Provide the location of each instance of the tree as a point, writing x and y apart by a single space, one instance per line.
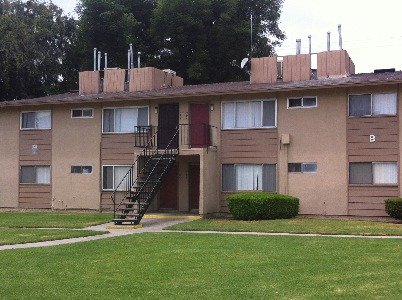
110 26
35 45
205 40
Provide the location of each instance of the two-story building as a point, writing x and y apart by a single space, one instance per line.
325 135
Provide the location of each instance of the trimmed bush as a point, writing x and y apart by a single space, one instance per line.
262 206
393 207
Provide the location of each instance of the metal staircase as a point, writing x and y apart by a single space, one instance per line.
135 192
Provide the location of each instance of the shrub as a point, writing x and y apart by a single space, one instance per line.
393 207
262 206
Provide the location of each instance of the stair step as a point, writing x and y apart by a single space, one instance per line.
126 216
121 221
133 203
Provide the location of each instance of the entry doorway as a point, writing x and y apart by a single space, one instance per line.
168 121
199 125
168 194
194 186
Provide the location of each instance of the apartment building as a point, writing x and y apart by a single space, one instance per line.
325 135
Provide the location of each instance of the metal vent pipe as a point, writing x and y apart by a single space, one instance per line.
340 36
95 52
328 41
99 60
298 46
309 44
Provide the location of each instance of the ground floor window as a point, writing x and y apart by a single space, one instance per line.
113 175
249 177
35 174
373 173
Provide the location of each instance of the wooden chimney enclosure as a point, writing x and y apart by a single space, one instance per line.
297 67
149 78
334 63
114 80
264 70
89 82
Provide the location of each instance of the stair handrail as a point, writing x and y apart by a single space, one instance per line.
129 174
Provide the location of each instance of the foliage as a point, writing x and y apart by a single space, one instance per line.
110 26
393 207
10 236
50 219
206 266
205 40
262 206
296 225
36 49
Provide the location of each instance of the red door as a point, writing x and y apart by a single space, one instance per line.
199 126
168 191
194 186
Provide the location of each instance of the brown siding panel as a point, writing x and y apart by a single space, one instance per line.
42 138
249 146
35 196
369 200
117 149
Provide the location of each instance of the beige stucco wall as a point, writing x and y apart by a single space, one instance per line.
76 142
316 135
9 157
209 182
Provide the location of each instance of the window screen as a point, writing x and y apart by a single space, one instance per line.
108 178
309 101
295 102
35 174
228 178
28 175
360 173
124 120
269 114
269 178
360 105
384 104
385 173
36 120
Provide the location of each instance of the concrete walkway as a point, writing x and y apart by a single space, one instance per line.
156 224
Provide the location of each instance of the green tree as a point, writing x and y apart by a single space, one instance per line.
205 40
110 26
35 47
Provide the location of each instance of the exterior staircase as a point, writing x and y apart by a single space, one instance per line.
135 192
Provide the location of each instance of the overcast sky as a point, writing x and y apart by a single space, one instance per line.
371 29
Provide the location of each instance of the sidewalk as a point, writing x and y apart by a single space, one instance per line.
155 223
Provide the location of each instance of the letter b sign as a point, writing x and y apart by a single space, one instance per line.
372 138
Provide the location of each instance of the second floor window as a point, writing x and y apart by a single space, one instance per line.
124 120
36 120
372 105
248 114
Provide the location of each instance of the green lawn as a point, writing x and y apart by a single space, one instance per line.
205 266
9 236
52 219
297 225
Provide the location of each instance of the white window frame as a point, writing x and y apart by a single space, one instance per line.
371 104
262 112
82 166
302 102
36 111
301 168
237 164
36 175
124 107
111 190
82 117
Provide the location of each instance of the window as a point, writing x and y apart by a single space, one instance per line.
113 175
124 120
372 105
373 173
35 174
302 102
248 177
82 113
248 114
302 167
81 169
36 120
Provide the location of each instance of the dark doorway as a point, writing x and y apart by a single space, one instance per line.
194 186
168 190
168 123
199 130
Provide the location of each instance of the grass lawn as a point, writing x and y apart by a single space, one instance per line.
297 225
194 266
52 219
9 236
